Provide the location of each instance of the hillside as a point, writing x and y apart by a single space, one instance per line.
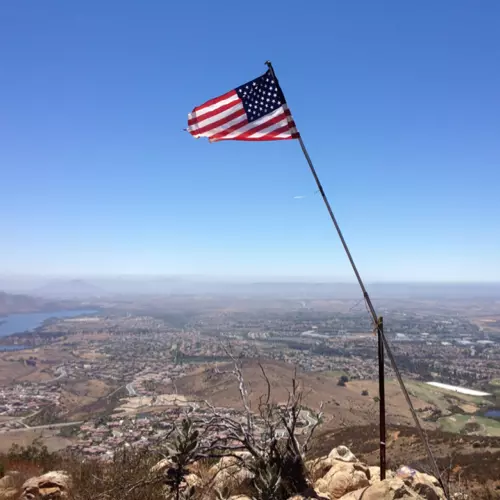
331 472
342 405
17 304
69 289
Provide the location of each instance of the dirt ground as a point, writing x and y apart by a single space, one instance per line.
14 369
26 437
341 405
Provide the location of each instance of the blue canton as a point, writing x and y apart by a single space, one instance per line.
261 96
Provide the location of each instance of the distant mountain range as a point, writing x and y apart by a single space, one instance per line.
15 303
96 287
69 289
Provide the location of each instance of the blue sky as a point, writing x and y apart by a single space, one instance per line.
398 103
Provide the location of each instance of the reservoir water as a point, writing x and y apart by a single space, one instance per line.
5 348
18 323
494 413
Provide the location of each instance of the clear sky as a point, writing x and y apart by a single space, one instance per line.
398 103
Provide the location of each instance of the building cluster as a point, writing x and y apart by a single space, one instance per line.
144 356
150 428
23 401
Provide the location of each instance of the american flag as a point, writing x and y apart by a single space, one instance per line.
255 111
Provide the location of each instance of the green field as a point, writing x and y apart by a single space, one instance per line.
335 373
455 423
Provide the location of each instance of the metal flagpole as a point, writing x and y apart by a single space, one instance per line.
376 321
381 395
382 340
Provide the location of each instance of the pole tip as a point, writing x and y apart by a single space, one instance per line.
268 64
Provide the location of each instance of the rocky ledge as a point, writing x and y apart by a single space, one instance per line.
338 476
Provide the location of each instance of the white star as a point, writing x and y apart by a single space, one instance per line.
268 99
279 102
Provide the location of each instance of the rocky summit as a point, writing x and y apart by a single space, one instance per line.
337 476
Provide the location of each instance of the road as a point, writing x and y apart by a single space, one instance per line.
310 419
61 373
131 390
50 426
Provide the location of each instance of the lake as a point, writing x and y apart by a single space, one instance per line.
494 413
5 348
18 323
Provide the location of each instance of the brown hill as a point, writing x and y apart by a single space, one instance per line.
17 304
342 405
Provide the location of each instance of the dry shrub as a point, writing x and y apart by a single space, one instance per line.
126 477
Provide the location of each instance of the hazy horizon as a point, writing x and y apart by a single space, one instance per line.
239 278
112 286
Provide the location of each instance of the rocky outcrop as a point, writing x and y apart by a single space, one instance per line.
388 489
338 476
230 469
426 486
8 489
342 453
342 478
53 485
349 479
163 464
375 474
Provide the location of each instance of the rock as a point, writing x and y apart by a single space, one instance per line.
342 453
426 486
163 464
342 478
9 485
310 496
9 493
320 466
229 469
53 485
192 480
375 474
7 482
388 489
239 497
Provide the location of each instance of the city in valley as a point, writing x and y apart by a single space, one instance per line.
119 370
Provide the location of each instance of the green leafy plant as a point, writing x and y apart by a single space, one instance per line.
182 451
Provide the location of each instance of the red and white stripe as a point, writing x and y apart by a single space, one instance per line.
224 118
